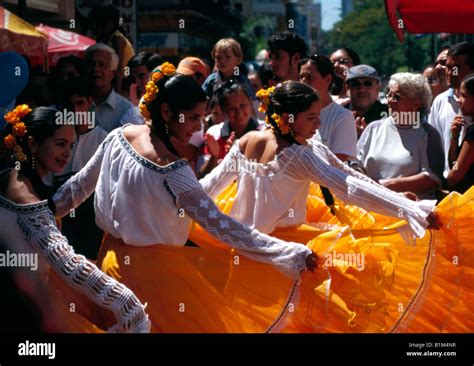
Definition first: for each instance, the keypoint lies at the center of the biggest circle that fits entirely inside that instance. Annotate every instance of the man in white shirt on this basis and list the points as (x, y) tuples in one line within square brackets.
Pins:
[(460, 63), (101, 63), (337, 130)]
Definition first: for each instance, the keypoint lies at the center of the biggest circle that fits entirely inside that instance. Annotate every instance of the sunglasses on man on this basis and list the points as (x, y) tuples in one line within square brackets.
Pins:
[(342, 61)]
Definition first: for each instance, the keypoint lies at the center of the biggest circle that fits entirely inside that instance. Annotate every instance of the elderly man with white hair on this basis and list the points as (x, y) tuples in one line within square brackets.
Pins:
[(101, 63), (395, 150)]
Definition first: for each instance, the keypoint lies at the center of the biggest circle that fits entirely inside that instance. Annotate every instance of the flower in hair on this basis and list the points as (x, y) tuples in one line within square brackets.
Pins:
[(283, 126), (166, 69), (18, 129), (144, 111), (22, 110), (9, 141)]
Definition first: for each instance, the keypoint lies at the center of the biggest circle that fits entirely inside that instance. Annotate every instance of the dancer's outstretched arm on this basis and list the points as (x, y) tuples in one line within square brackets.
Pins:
[(81, 185), (289, 258), (356, 190), (327, 155), (40, 230)]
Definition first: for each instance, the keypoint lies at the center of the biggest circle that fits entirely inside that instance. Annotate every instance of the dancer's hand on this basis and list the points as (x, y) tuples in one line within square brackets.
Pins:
[(312, 261), (434, 221)]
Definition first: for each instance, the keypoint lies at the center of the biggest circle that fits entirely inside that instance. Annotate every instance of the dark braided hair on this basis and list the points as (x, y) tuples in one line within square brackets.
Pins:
[(290, 97), (180, 92)]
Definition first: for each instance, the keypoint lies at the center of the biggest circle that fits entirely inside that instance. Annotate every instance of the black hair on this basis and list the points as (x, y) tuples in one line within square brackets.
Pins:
[(289, 42), (72, 60), (213, 101), (337, 85), (323, 65), (265, 74), (290, 97), (102, 14), (154, 61), (76, 86), (40, 124), (469, 83), (147, 59), (180, 92), (463, 49), (224, 90), (352, 54), (140, 59)]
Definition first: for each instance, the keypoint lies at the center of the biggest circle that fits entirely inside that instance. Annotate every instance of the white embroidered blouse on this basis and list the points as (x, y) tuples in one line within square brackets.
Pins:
[(274, 194), (30, 229), (145, 204)]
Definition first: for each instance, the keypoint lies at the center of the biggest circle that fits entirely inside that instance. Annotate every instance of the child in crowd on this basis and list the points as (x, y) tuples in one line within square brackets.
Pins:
[(227, 55), (238, 108)]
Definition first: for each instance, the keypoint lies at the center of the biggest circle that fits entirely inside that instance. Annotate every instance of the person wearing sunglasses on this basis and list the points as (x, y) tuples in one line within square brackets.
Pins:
[(364, 86), (337, 130), (436, 82), (342, 59), (394, 151)]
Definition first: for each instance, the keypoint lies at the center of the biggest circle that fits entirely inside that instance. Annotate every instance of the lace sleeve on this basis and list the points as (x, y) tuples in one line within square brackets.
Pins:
[(41, 232), (81, 185), (360, 192), (288, 258), (333, 160), (223, 174)]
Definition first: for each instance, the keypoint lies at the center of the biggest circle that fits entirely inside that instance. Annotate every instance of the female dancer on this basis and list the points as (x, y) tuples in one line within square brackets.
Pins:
[(272, 160), (274, 169), (36, 147), (145, 198)]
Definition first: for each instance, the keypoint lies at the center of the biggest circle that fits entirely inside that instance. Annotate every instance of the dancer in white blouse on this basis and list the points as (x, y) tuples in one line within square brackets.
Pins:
[(37, 147), (146, 195), (274, 169), (375, 283)]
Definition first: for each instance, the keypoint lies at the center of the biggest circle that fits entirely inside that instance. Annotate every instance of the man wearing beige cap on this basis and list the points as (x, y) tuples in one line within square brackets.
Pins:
[(194, 67)]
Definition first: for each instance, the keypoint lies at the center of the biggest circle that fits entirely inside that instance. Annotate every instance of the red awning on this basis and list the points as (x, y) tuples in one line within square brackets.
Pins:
[(16, 35), (430, 16), (63, 43)]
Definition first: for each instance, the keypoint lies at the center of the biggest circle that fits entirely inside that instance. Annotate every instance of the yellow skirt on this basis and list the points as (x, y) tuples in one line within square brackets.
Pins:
[(73, 312), (423, 288)]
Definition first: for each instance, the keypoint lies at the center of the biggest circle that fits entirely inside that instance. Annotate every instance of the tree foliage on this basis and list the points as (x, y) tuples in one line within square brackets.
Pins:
[(367, 31)]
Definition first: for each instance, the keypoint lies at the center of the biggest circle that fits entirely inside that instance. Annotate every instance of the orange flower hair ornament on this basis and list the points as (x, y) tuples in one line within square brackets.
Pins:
[(264, 96), (18, 130), (166, 69)]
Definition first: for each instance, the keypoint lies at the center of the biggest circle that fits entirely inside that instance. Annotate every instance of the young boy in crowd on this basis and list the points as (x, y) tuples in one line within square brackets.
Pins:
[(227, 55)]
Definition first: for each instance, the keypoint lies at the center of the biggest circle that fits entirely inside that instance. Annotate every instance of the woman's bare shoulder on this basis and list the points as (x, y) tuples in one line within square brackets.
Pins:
[(255, 139), (18, 189)]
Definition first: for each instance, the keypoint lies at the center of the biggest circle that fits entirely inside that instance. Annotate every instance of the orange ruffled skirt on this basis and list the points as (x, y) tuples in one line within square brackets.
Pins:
[(370, 281)]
